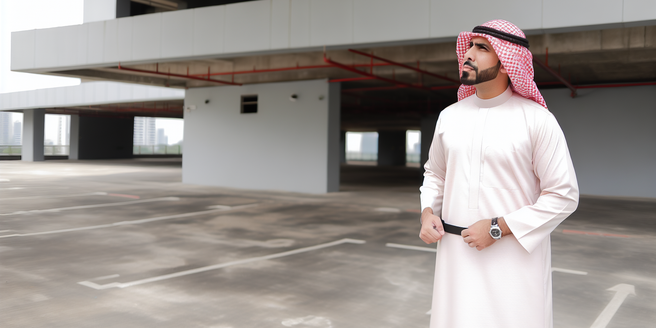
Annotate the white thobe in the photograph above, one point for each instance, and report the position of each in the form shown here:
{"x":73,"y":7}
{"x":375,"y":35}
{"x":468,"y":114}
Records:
{"x":500,"y":157}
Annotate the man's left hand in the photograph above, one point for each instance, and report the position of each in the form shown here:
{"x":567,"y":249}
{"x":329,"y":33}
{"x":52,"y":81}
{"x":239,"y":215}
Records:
{"x":478,"y":235}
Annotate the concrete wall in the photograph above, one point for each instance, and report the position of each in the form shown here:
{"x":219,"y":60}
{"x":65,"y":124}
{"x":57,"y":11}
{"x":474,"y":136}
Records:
{"x":104,"y":137}
{"x":292,"y":146}
{"x":292,"y":25}
{"x":611,"y":134}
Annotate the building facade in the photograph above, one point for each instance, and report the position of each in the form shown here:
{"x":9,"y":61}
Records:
{"x":317,"y":68}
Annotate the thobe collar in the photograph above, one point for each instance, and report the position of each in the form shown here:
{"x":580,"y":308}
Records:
{"x":493,"y":102}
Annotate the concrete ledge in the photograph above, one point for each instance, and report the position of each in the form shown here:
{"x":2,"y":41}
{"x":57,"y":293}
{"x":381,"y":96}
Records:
{"x":87,"y":94}
{"x":258,"y":27}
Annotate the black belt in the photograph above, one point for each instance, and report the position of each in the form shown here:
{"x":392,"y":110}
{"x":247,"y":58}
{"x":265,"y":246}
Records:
{"x":450,"y":228}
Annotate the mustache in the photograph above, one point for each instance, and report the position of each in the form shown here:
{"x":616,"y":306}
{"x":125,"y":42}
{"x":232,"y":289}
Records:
{"x":470,"y":64}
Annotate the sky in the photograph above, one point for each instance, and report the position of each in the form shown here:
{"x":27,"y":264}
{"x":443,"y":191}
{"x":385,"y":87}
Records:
{"x":21,"y":15}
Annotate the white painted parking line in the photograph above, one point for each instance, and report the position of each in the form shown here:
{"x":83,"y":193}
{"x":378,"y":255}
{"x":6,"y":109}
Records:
{"x":434,"y":250}
{"x":12,"y":188}
{"x":388,"y":209}
{"x":4,"y":180}
{"x":582,"y":273}
{"x":161,"y":199}
{"x":219,"y":266}
{"x":122,"y":223}
{"x":58,"y":196}
{"x":111,"y":276}
{"x":414,"y":248}
{"x":622,"y":291}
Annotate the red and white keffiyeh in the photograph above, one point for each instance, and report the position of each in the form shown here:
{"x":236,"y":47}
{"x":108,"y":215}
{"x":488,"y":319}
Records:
{"x":515,"y":58}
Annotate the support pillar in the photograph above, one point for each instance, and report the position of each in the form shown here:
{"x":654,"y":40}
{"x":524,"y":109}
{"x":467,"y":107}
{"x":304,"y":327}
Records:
{"x":74,"y":134}
{"x":391,"y":148}
{"x":342,"y":149}
{"x":33,"y":135}
{"x":334,"y":135}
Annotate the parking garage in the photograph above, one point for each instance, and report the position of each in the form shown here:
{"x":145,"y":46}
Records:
{"x":243,"y":232}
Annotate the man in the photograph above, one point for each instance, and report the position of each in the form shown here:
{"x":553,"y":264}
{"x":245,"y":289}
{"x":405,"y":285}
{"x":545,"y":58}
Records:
{"x":499,"y":166}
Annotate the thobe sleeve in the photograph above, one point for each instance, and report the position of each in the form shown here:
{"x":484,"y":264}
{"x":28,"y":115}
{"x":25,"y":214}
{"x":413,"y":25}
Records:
{"x":559,"y":198}
{"x":432,"y":190}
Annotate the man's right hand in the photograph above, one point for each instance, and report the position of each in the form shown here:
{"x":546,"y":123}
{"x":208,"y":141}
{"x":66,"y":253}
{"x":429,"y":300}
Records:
{"x":431,"y":227}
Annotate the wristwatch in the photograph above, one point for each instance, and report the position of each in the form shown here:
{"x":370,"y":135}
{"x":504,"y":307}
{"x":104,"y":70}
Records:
{"x":495,"y":231}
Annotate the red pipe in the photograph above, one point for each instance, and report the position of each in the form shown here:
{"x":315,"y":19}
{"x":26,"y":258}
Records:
{"x":174,"y":75}
{"x":282,"y":69}
{"x":375,"y":88}
{"x":351,"y":79}
{"x":617,"y":85}
{"x":351,"y":69}
{"x":445,"y":87}
{"x":404,"y":66}
{"x":177,"y":109}
{"x":598,"y":86}
{"x":548,"y":83}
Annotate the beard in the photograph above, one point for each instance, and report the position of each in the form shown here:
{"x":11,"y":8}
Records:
{"x":485,"y":75}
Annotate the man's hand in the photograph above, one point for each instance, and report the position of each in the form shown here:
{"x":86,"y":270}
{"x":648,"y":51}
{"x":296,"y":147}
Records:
{"x":478,"y":235}
{"x":431,"y":227}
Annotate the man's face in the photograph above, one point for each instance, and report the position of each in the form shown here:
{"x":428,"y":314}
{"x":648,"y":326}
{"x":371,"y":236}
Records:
{"x":481,"y":63}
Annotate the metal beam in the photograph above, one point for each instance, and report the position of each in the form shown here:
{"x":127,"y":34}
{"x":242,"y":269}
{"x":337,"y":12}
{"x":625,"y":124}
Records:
{"x":404,"y":66}
{"x":556,"y":75}
{"x":190,"y":77}
{"x":377,"y":77}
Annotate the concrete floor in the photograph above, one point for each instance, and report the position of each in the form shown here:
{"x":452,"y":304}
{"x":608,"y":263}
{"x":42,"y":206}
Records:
{"x":125,"y":244}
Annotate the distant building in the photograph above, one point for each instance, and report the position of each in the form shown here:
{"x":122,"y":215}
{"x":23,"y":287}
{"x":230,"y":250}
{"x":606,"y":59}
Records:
{"x":63,"y":129}
{"x":369,"y":143}
{"x":144,"y":131}
{"x":18,"y":133}
{"x":67,"y":130}
{"x":162,"y":138}
{"x":6,"y":135}
{"x":416,"y":148}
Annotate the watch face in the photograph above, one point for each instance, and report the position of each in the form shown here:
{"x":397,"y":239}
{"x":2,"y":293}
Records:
{"x":495,"y":233}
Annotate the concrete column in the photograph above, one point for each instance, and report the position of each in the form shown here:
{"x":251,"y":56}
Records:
{"x":74,"y":134}
{"x":33,"y":134}
{"x":391,"y":148}
{"x":427,"y":130}
{"x":290,"y":145}
{"x":342,"y":145}
{"x":334,"y":135}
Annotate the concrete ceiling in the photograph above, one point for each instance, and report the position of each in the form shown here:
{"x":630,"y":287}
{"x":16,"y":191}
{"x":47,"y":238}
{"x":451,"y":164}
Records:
{"x":587,"y":57}
{"x":164,"y":108}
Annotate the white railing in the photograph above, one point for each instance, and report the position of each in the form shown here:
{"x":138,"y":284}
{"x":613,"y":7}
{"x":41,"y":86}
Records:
{"x":361,"y":157}
{"x":157,"y":150}
{"x":48,"y":150}
{"x":55,"y":150}
{"x":412,"y":157}
{"x":10,"y":150}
